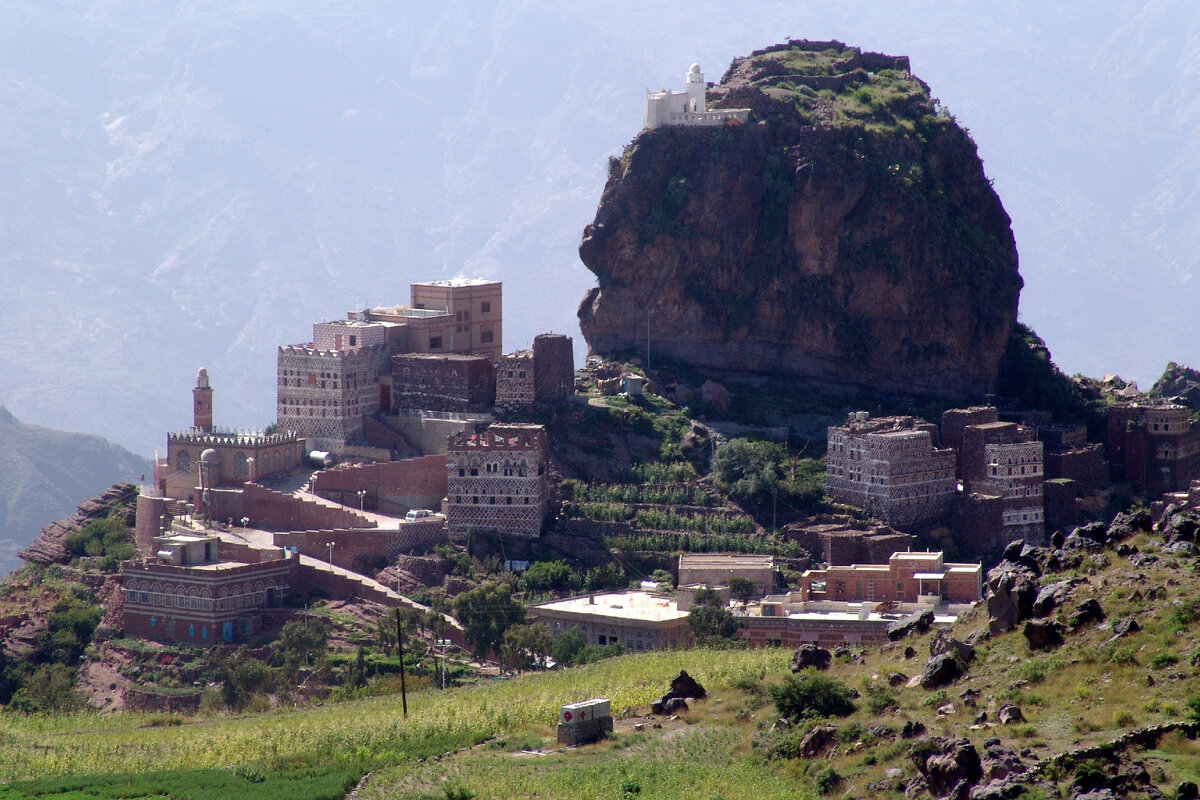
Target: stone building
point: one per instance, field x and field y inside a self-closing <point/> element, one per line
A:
<point x="515" y="387"/>
<point x="498" y="480"/>
<point x="1068" y="455"/>
<point x="234" y="457"/>
<point x="955" y="421"/>
<point x="1004" y="459"/>
<point x="1154" y="447"/>
<point x="327" y="386"/>
<point x="689" y="107"/>
<point x="442" y="382"/>
<point x="324" y="394"/>
<point x="889" y="467"/>
<point x="187" y="592"/>
<point x="545" y="374"/>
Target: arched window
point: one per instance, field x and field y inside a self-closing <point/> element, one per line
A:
<point x="275" y="461"/>
<point x="241" y="469"/>
<point x="183" y="461"/>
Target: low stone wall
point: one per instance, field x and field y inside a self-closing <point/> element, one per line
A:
<point x="363" y="549"/>
<point x="584" y="732"/>
<point x="392" y="487"/>
<point x="135" y="699"/>
<point x="271" y="510"/>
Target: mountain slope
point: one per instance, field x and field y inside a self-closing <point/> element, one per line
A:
<point x="46" y="474"/>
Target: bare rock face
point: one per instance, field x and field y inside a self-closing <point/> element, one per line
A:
<point x="845" y="234"/>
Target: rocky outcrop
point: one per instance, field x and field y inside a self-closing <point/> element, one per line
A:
<point x="47" y="548"/>
<point x="852" y="239"/>
<point x="1180" y="384"/>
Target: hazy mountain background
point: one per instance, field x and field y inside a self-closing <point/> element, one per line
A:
<point x="188" y="184"/>
<point x="47" y="474"/>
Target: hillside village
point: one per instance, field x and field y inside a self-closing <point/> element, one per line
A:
<point x="513" y="513"/>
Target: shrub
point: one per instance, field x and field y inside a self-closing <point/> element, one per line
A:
<point x="827" y="780"/>
<point x="805" y="696"/>
<point x="1163" y="660"/>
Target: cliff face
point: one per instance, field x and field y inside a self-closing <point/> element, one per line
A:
<point x="847" y="234"/>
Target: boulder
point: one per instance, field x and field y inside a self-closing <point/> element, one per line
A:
<point x="942" y="642"/>
<point x="998" y="790"/>
<point x="897" y="679"/>
<point x="939" y="671"/>
<point x="1011" y="590"/>
<point x="684" y="685"/>
<point x="913" y="623"/>
<point x="1127" y="524"/>
<point x="1043" y="634"/>
<point x="1124" y="627"/>
<point x="1051" y="596"/>
<point x="1179" y="527"/>
<point x="810" y="655"/>
<point x="715" y="396"/>
<point x="912" y="730"/>
<point x="668" y="704"/>
<point x="1087" y="611"/>
<point x="816" y="741"/>
<point x="950" y="765"/>
<point x="1187" y="790"/>
<point x="1009" y="715"/>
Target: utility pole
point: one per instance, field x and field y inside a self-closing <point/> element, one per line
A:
<point x="400" y="651"/>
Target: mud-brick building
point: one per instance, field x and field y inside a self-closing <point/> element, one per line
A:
<point x="186" y="592"/>
<point x="1154" y="447"/>
<point x="205" y="456"/>
<point x="1005" y="460"/>
<point x="498" y="480"/>
<point x="889" y="467"/>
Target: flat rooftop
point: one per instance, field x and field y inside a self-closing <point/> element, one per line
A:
<point x="618" y="605"/>
<point x="722" y="561"/>
<point x="461" y="280"/>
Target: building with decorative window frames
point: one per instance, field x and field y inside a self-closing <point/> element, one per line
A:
<point x="889" y="467"/>
<point x="187" y="593"/>
<point x="498" y="480"/>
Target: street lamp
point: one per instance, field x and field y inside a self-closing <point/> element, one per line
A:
<point x="443" y="644"/>
<point x="250" y="468"/>
<point x="330" y="546"/>
<point x="361" y="494"/>
<point x="245" y="522"/>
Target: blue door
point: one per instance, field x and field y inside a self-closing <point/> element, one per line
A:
<point x="227" y="631"/>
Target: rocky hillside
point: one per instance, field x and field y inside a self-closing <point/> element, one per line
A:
<point x="847" y="234"/>
<point x="45" y="474"/>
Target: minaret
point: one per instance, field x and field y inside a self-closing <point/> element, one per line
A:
<point x="202" y="402"/>
<point x="695" y="87"/>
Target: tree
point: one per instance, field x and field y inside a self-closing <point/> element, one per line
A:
<point x="526" y="646"/>
<point x="710" y="621"/>
<point x="301" y="640"/>
<point x="749" y="471"/>
<point x="485" y="613"/>
<point x="741" y="588"/>
<point x="567" y="646"/>
<point x="804" y="696"/>
<point x="549" y="576"/>
<point x="51" y="687"/>
<point x="606" y="576"/>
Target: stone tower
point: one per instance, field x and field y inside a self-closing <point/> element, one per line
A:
<point x="202" y="412"/>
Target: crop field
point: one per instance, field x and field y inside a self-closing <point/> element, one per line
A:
<point x="320" y="751"/>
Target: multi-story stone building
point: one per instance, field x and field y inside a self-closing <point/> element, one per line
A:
<point x="327" y="386"/>
<point x="1154" y="447"/>
<point x="1004" y="459"/>
<point x="498" y="480"/>
<point x="545" y="374"/>
<point x="449" y="382"/>
<point x="234" y="457"/>
<point x="889" y="467"/>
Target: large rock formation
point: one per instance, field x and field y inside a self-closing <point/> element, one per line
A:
<point x="846" y="233"/>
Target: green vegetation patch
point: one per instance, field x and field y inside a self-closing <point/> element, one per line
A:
<point x="245" y="782"/>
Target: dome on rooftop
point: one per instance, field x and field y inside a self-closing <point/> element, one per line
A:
<point x="210" y="456"/>
<point x="695" y="68"/>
